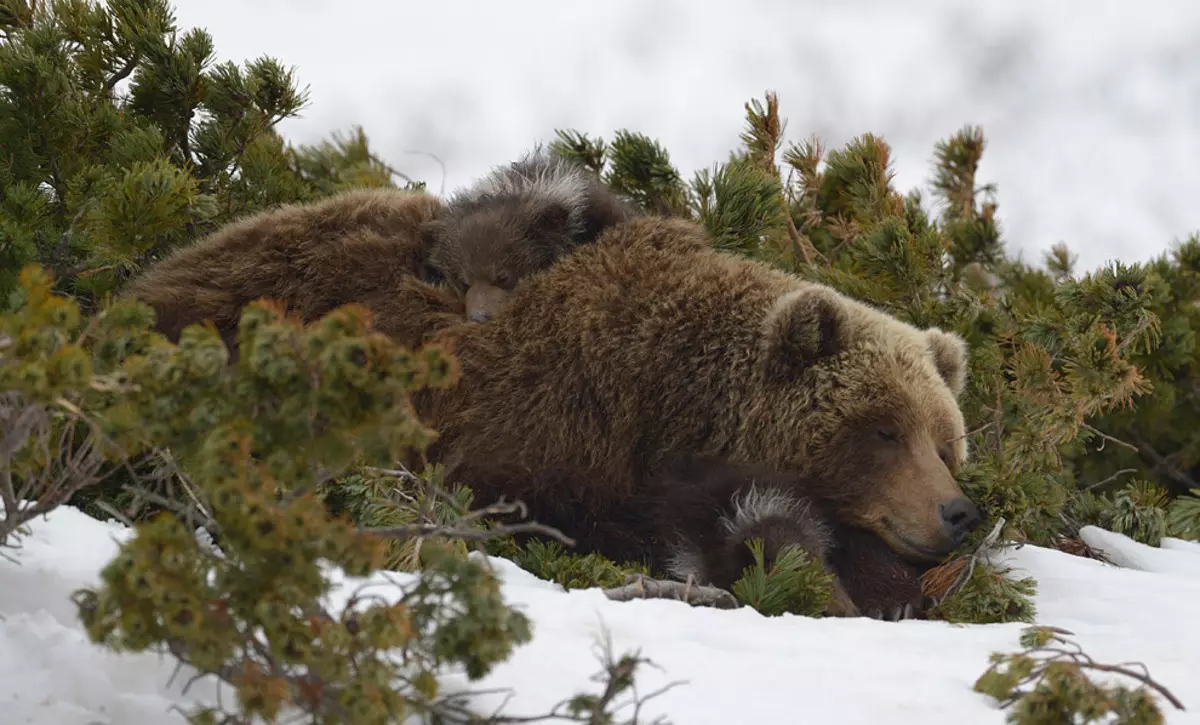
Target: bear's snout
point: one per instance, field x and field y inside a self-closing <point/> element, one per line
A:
<point x="960" y="517"/>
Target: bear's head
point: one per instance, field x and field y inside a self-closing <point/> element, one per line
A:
<point x="871" y="411"/>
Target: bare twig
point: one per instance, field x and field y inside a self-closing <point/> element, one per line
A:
<point x="988" y="543"/>
<point x="797" y="241"/>
<point x="1162" y="463"/>
<point x="1111" y="478"/>
<point x="411" y="531"/>
<point x="1106" y="437"/>
<point x="638" y="586"/>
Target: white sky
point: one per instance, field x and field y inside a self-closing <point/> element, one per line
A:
<point x="1090" y="108"/>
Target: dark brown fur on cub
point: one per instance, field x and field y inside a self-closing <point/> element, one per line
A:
<point x="514" y="222"/>
<point x="359" y="246"/>
<point x="695" y="517"/>
<point x="704" y="509"/>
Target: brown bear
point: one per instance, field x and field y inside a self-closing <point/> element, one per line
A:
<point x="362" y="245"/>
<point x="515" y="221"/>
<point x="649" y="343"/>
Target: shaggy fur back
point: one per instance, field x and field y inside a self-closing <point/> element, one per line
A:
<point x="517" y="220"/>
<point x="358" y="246"/>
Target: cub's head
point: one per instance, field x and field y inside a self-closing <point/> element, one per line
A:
<point x="483" y="248"/>
<point x="516" y="221"/>
<point x="868" y="406"/>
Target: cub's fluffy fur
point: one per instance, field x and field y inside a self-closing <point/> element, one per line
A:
<point x="517" y="220"/>
<point x="703" y="510"/>
<point x="695" y="516"/>
<point x="358" y="246"/>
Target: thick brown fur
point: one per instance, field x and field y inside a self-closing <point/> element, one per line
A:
<point x="649" y="342"/>
<point x="693" y="519"/>
<point x="515" y="221"/>
<point x="359" y="246"/>
<point x="703" y="510"/>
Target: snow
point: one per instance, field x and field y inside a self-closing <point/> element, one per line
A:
<point x="732" y="665"/>
<point x="1090" y="108"/>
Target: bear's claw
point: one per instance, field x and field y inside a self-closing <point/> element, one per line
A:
<point x="908" y="610"/>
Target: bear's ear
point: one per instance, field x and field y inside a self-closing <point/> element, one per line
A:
<point x="949" y="357"/>
<point x="803" y="327"/>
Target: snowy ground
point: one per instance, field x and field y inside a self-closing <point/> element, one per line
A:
<point x="737" y="666"/>
<point x="1090" y="107"/>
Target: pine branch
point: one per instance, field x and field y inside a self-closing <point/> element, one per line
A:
<point x="1046" y="674"/>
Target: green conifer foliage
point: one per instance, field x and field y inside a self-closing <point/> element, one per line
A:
<point x="795" y="583"/>
<point x="1047" y="683"/>
<point x="253" y="442"/>
<point x="120" y="139"/>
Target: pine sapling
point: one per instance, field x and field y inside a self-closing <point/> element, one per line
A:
<point x="1047" y="684"/>
<point x="795" y="583"/>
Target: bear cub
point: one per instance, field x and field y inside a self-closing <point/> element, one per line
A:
<point x="703" y="509"/>
<point x="515" y="221"/>
<point x="362" y="245"/>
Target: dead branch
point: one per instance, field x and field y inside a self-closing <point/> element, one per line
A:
<point x="412" y="531"/>
<point x="968" y="568"/>
<point x="1162" y="463"/>
<point x="1111" y="478"/>
<point x="1106" y="437"/>
<point x="638" y="586"/>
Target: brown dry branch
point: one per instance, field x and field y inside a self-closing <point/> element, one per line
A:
<point x="461" y="528"/>
<point x="616" y="676"/>
<point x="1078" y="547"/>
<point x="638" y="586"/>
<point x="1163" y="464"/>
<point x="71" y="459"/>
<point x="1106" y="437"/>
<point x="933" y="582"/>
<point x="1111" y="478"/>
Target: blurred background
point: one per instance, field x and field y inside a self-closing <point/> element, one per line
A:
<point x="1090" y="109"/>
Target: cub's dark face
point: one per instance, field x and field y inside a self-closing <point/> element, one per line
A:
<point x="485" y="249"/>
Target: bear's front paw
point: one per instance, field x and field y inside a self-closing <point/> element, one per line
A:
<point x="840" y="603"/>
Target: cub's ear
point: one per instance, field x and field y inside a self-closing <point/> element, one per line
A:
<point x="432" y="249"/>
<point x="803" y="327"/>
<point x="949" y="357"/>
<point x="431" y="233"/>
<point x="548" y="218"/>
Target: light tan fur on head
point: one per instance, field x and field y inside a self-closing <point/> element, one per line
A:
<point x="889" y="413"/>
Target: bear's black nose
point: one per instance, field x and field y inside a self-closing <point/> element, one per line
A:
<point x="960" y="517"/>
